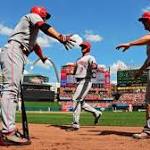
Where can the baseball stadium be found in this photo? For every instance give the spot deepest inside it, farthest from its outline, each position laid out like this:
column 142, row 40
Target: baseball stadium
column 49, row 109
column 74, row 75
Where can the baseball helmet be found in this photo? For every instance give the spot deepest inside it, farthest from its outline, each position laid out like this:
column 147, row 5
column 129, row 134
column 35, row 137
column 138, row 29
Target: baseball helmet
column 85, row 44
column 145, row 16
column 41, row 11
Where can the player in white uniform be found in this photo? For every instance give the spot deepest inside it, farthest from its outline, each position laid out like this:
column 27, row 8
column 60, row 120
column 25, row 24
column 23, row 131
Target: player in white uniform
column 13, row 57
column 83, row 72
column 145, row 40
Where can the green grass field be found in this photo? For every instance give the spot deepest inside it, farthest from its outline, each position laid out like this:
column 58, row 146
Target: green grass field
column 37, row 106
column 108, row 118
column 41, row 104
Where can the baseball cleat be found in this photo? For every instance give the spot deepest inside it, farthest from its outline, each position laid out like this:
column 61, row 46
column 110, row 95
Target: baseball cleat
column 14, row 138
column 142, row 135
column 97, row 118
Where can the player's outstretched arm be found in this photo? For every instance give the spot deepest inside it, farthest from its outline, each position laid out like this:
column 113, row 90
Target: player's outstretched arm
column 51, row 31
column 124, row 46
column 141, row 41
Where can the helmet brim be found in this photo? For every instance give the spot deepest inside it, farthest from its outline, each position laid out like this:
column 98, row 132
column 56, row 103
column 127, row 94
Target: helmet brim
column 83, row 46
column 48, row 16
column 143, row 19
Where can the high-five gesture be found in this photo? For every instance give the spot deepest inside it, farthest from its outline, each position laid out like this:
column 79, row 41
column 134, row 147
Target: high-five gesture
column 66, row 41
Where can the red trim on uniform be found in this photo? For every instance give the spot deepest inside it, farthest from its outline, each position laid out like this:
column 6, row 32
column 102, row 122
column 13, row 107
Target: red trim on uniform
column 38, row 50
column 40, row 23
column 12, row 81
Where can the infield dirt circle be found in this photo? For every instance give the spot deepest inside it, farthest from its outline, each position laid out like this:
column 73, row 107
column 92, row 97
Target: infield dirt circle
column 48, row 137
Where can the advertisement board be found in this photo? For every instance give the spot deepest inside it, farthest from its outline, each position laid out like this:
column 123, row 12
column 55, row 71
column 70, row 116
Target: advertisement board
column 126, row 78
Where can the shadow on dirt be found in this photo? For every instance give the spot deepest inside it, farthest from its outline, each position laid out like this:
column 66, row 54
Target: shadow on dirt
column 120, row 133
column 63, row 127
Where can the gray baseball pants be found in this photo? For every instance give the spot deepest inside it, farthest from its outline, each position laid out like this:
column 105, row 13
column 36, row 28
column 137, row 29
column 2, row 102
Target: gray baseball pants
column 147, row 95
column 12, row 62
column 147, row 102
column 78, row 101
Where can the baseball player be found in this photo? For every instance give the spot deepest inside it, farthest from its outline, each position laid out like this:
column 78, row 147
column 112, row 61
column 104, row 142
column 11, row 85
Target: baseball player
column 84, row 68
column 145, row 40
column 13, row 57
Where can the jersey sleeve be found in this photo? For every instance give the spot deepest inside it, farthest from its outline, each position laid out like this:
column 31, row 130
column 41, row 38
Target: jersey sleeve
column 35, row 19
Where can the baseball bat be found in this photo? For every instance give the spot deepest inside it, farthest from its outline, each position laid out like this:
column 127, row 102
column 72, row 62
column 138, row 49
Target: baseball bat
column 24, row 117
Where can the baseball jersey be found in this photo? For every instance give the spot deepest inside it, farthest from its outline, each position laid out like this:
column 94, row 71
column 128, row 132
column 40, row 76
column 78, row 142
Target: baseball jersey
column 26, row 30
column 148, row 52
column 83, row 67
column 148, row 49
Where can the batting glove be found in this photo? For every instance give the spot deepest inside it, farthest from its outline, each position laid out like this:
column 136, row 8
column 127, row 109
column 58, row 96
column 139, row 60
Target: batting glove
column 44, row 59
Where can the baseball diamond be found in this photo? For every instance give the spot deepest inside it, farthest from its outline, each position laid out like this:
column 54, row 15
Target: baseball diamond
column 74, row 89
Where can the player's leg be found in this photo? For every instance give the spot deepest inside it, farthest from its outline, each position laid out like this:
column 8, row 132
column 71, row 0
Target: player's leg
column 146, row 131
column 12, row 67
column 86, row 87
column 76, row 114
column 9, row 91
column 97, row 114
column 78, row 102
column 77, row 106
column 147, row 127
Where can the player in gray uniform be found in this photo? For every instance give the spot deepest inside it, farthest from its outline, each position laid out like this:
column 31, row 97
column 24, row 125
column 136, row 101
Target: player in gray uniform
column 13, row 57
column 145, row 40
column 83, row 72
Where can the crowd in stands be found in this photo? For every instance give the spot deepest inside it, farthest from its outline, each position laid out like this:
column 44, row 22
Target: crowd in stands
column 136, row 98
column 68, row 106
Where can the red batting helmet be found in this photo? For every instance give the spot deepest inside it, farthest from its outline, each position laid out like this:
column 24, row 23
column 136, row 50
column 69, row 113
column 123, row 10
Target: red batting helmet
column 41, row 11
column 145, row 16
column 85, row 44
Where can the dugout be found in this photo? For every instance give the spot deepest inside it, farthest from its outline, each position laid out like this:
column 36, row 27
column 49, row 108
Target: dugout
column 37, row 92
column 120, row 106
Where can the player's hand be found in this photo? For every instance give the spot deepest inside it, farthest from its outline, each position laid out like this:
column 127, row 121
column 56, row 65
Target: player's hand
column 124, row 47
column 94, row 66
column 67, row 41
column 44, row 59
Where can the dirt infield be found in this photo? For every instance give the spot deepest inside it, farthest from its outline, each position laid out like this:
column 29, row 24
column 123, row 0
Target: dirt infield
column 48, row 137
